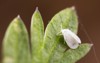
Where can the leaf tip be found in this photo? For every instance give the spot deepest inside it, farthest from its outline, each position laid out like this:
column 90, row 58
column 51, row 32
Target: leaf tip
column 17, row 19
column 18, row 16
column 36, row 9
column 91, row 45
column 73, row 7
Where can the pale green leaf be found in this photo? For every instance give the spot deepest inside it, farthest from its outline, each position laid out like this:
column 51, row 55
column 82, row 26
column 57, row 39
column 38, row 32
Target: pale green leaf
column 37, row 33
column 72, row 55
column 67, row 19
column 16, row 43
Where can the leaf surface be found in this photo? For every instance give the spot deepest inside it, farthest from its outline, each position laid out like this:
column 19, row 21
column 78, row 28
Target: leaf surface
column 37, row 33
column 52, row 41
column 16, row 43
column 72, row 55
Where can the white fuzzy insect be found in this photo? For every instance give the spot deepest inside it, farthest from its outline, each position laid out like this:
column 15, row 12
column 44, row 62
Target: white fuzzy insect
column 71, row 38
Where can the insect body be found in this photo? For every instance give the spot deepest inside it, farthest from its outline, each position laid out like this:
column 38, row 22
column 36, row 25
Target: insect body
column 71, row 38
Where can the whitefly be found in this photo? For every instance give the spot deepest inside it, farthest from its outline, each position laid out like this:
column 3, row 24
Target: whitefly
column 71, row 38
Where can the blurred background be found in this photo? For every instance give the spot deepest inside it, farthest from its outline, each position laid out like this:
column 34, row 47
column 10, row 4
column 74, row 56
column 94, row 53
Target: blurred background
column 88, row 12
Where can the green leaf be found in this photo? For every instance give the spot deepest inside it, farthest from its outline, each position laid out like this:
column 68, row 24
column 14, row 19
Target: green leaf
column 37, row 33
column 16, row 43
column 67, row 19
column 72, row 55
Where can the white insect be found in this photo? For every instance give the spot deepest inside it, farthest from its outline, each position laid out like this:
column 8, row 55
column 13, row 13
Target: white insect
column 71, row 38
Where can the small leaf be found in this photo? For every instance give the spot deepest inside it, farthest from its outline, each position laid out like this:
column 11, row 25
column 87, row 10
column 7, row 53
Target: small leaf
column 73, row 55
column 67, row 19
column 37, row 33
column 16, row 43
